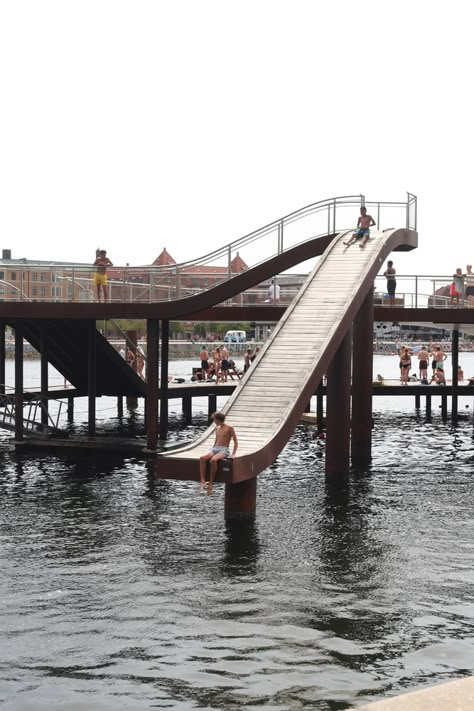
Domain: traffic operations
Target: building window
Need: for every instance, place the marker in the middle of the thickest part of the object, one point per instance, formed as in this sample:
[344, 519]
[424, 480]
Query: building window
[42, 276]
[56, 291]
[42, 291]
[55, 277]
[34, 276]
[2, 275]
[34, 291]
[2, 289]
[13, 276]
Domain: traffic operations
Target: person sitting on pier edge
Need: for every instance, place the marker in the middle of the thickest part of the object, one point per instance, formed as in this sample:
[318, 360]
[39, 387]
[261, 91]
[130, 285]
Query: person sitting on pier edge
[362, 231]
[423, 358]
[100, 277]
[438, 377]
[224, 434]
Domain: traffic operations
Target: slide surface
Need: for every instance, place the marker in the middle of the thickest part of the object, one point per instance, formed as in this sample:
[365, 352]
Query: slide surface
[267, 405]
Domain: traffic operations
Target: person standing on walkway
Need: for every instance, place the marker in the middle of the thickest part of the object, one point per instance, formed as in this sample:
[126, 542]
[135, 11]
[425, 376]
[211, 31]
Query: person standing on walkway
[247, 355]
[389, 274]
[440, 357]
[224, 363]
[423, 358]
[140, 362]
[469, 282]
[405, 363]
[216, 361]
[100, 277]
[204, 356]
[362, 232]
[457, 287]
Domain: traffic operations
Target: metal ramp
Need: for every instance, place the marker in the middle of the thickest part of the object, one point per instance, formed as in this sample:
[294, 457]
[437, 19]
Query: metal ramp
[31, 425]
[268, 403]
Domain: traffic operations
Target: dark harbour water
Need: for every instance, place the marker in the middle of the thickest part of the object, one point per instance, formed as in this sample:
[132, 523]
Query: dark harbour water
[119, 591]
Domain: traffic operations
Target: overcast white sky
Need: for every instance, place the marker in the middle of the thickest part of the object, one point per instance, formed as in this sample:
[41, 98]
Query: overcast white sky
[139, 125]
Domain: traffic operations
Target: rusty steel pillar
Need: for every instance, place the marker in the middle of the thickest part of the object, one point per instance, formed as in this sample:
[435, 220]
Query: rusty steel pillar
[152, 348]
[3, 356]
[319, 407]
[187, 408]
[70, 410]
[44, 375]
[91, 375]
[18, 380]
[362, 368]
[241, 499]
[455, 363]
[338, 410]
[165, 352]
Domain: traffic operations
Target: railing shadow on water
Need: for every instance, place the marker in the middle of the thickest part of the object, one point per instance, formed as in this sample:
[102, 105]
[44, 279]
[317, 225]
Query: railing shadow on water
[27, 281]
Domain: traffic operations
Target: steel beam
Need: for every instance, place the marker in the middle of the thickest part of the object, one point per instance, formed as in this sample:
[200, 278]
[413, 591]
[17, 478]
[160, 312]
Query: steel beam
[338, 410]
[361, 439]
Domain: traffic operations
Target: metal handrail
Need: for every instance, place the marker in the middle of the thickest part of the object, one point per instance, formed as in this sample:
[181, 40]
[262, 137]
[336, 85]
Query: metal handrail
[169, 282]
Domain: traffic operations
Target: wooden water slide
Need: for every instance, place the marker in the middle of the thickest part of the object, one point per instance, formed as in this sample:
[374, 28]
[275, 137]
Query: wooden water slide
[269, 400]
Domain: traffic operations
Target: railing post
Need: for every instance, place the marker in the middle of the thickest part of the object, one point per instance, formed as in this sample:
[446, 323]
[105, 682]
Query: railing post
[18, 380]
[416, 291]
[178, 283]
[229, 262]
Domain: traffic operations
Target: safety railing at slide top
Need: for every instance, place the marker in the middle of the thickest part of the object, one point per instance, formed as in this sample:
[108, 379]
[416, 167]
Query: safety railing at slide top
[74, 283]
[418, 291]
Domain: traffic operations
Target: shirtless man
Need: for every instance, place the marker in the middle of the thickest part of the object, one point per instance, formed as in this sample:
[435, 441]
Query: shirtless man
[216, 359]
[423, 359]
[364, 222]
[220, 450]
[204, 356]
[224, 363]
[100, 277]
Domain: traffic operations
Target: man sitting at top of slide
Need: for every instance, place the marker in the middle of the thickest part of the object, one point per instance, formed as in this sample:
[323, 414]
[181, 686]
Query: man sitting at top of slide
[363, 223]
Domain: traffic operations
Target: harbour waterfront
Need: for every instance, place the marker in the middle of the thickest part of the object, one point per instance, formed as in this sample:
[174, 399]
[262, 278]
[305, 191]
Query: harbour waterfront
[121, 591]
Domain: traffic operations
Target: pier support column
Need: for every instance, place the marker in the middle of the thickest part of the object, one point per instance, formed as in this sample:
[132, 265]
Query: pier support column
[18, 380]
[91, 376]
[417, 402]
[428, 405]
[120, 406]
[319, 407]
[444, 406]
[44, 375]
[187, 405]
[70, 410]
[3, 356]
[455, 362]
[338, 410]
[165, 352]
[361, 437]
[241, 499]
[211, 405]
[152, 348]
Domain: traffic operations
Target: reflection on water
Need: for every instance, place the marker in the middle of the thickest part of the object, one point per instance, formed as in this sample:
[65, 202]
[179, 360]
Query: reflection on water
[123, 591]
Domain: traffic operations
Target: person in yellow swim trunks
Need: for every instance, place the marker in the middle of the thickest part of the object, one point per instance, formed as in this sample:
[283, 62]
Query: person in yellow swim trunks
[100, 277]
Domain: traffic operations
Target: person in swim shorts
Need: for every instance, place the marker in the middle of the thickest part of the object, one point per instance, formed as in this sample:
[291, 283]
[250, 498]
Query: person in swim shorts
[204, 356]
[364, 222]
[224, 434]
[100, 277]
[423, 358]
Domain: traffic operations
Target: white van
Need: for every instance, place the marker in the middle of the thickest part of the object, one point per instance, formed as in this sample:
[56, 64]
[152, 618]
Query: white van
[235, 337]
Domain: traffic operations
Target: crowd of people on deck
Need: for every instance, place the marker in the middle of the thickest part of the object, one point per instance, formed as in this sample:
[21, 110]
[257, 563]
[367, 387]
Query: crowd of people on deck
[430, 366]
[218, 366]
